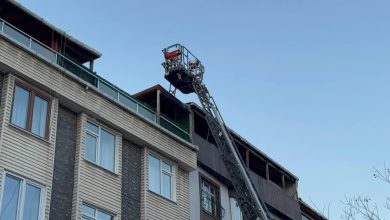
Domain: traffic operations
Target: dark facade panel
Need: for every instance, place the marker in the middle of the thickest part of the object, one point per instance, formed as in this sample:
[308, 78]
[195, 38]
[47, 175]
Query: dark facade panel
[209, 159]
[275, 197]
[131, 181]
[209, 156]
[64, 165]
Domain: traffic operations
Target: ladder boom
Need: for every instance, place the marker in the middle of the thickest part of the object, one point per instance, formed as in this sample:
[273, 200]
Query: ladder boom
[185, 72]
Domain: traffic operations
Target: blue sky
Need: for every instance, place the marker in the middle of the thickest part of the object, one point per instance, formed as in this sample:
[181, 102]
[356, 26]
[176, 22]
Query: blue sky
[306, 81]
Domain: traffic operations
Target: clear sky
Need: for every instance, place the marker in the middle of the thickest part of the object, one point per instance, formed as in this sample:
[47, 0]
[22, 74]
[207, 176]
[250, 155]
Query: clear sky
[306, 81]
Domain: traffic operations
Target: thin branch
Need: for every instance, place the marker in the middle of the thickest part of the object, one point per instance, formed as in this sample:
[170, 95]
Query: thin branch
[315, 206]
[348, 212]
[387, 204]
[383, 175]
[360, 206]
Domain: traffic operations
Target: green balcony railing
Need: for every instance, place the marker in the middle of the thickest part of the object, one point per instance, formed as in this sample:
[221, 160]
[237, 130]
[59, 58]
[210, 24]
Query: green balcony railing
[85, 74]
[174, 128]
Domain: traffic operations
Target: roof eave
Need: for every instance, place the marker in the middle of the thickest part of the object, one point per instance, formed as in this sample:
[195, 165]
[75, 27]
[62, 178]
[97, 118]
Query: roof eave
[93, 52]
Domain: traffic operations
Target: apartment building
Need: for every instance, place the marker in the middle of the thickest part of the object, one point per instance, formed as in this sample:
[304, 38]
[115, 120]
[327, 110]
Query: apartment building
[75, 146]
[211, 192]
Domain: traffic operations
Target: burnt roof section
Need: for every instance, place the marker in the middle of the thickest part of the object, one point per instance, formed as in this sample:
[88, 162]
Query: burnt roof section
[242, 140]
[35, 26]
[149, 96]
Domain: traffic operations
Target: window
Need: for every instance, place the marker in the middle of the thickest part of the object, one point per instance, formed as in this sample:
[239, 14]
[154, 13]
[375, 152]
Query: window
[30, 111]
[304, 217]
[21, 199]
[91, 213]
[161, 177]
[100, 146]
[209, 197]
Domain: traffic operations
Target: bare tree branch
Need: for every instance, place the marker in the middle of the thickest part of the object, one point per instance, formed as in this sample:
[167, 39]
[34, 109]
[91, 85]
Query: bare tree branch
[348, 212]
[361, 207]
[383, 175]
[318, 210]
[387, 204]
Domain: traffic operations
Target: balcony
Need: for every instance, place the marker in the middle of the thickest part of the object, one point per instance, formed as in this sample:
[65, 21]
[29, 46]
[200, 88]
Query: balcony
[274, 195]
[174, 128]
[83, 73]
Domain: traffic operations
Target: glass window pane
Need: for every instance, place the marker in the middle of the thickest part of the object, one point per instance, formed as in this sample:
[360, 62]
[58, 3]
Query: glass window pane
[154, 174]
[16, 35]
[166, 186]
[20, 107]
[167, 167]
[108, 90]
[92, 127]
[32, 198]
[147, 113]
[43, 51]
[206, 203]
[107, 150]
[86, 210]
[90, 148]
[208, 195]
[39, 117]
[128, 102]
[103, 216]
[9, 205]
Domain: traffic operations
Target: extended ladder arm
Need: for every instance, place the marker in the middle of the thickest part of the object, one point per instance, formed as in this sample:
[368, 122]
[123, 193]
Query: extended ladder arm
[185, 72]
[251, 205]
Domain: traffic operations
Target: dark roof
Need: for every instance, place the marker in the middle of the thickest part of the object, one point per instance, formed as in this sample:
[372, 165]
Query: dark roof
[149, 96]
[30, 23]
[310, 212]
[248, 144]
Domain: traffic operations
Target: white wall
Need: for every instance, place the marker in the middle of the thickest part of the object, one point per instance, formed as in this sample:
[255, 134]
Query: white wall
[194, 196]
[235, 211]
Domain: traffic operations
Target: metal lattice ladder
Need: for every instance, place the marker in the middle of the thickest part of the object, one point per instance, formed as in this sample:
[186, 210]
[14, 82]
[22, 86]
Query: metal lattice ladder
[185, 72]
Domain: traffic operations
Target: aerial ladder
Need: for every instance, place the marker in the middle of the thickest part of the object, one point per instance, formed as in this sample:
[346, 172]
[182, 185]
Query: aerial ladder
[185, 73]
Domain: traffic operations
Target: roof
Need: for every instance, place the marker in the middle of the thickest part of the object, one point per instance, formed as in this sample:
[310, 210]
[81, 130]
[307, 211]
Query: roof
[149, 96]
[26, 20]
[305, 208]
[254, 148]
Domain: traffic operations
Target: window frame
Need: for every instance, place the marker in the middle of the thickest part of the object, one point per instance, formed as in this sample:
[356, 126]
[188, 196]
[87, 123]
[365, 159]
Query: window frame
[161, 172]
[98, 136]
[218, 207]
[30, 108]
[22, 191]
[97, 209]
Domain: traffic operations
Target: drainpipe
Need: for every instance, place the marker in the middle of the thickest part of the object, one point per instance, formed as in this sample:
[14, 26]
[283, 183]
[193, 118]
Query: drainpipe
[192, 125]
[158, 108]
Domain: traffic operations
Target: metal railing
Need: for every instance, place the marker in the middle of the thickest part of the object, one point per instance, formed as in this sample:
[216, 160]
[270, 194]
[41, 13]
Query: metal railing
[115, 93]
[185, 58]
[174, 127]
